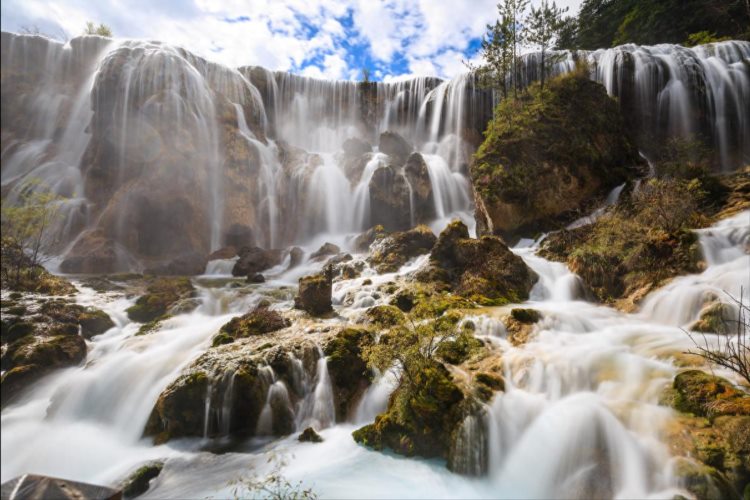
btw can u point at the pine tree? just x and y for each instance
(543, 27)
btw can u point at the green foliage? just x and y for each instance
(26, 236)
(606, 23)
(160, 295)
(101, 30)
(543, 27)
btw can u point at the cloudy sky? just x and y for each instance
(319, 38)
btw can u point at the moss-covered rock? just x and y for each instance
(160, 295)
(716, 318)
(703, 481)
(421, 416)
(257, 322)
(363, 242)
(314, 295)
(31, 357)
(347, 368)
(395, 250)
(138, 482)
(549, 152)
(94, 322)
(706, 395)
(178, 411)
(309, 436)
(385, 316)
(483, 270)
(486, 384)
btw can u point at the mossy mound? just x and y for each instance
(257, 322)
(707, 395)
(483, 270)
(94, 322)
(549, 152)
(138, 482)
(38, 280)
(346, 367)
(309, 436)
(160, 295)
(314, 294)
(716, 318)
(385, 316)
(395, 250)
(421, 417)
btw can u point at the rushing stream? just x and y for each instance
(580, 406)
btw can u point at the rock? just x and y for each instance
(527, 316)
(254, 260)
(395, 146)
(404, 300)
(390, 204)
(715, 318)
(161, 294)
(487, 384)
(356, 147)
(385, 316)
(29, 358)
(138, 482)
(309, 436)
(94, 322)
(346, 367)
(45, 487)
(314, 295)
(296, 254)
(354, 166)
(483, 270)
(545, 157)
(238, 236)
(324, 251)
(191, 264)
(392, 252)
(223, 253)
(93, 253)
(706, 395)
(420, 420)
(257, 322)
(703, 481)
(256, 278)
(363, 242)
(421, 188)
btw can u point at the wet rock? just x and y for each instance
(707, 395)
(487, 384)
(256, 278)
(314, 295)
(347, 368)
(93, 253)
(390, 203)
(257, 322)
(703, 481)
(392, 252)
(395, 146)
(404, 299)
(190, 264)
(421, 188)
(160, 295)
(520, 324)
(29, 358)
(223, 253)
(385, 316)
(356, 147)
(363, 242)
(324, 251)
(254, 260)
(138, 482)
(94, 322)
(239, 236)
(296, 254)
(715, 318)
(309, 436)
(483, 270)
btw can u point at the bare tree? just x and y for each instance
(732, 351)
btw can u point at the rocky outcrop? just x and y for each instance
(254, 260)
(161, 296)
(390, 204)
(395, 250)
(422, 203)
(364, 241)
(314, 295)
(325, 250)
(347, 368)
(93, 253)
(483, 270)
(258, 322)
(395, 146)
(548, 154)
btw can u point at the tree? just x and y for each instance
(365, 75)
(26, 230)
(514, 10)
(497, 54)
(544, 25)
(101, 30)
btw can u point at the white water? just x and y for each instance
(589, 379)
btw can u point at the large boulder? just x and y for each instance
(93, 253)
(548, 154)
(347, 368)
(364, 240)
(395, 146)
(390, 204)
(483, 270)
(392, 252)
(418, 175)
(161, 296)
(355, 147)
(254, 260)
(189, 264)
(314, 295)
(261, 320)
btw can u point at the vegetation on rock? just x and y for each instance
(160, 296)
(257, 322)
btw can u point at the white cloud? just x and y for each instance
(431, 36)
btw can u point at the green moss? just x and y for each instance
(222, 339)
(385, 316)
(705, 395)
(257, 322)
(94, 322)
(528, 316)
(18, 331)
(151, 326)
(138, 482)
(346, 366)
(460, 349)
(18, 310)
(160, 296)
(486, 384)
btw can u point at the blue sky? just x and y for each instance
(318, 38)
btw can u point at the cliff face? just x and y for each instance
(549, 153)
